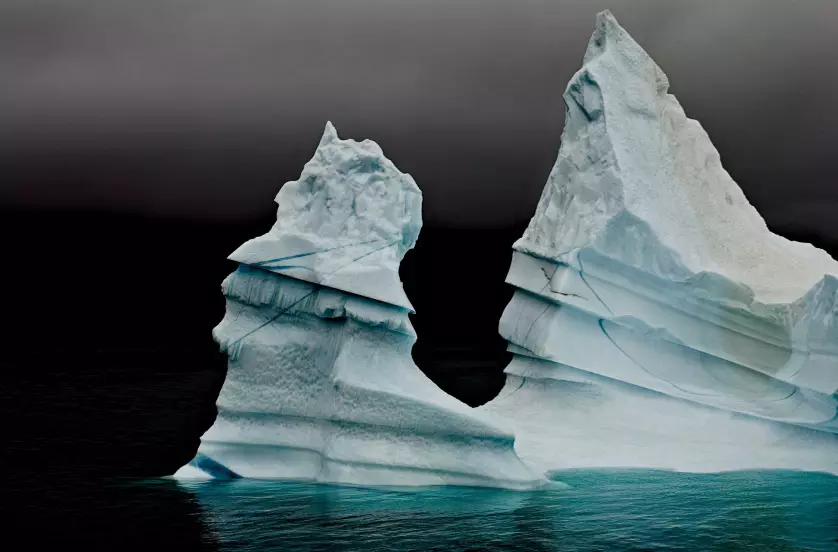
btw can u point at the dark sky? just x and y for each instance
(203, 108)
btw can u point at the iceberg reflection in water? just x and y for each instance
(600, 510)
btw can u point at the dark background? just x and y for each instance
(141, 143)
(107, 351)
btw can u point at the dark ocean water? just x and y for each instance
(599, 510)
(83, 449)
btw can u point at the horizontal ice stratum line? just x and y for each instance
(657, 322)
(321, 385)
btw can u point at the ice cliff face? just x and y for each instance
(321, 385)
(657, 322)
(639, 183)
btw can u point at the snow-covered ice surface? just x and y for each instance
(657, 322)
(321, 385)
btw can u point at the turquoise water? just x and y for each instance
(598, 510)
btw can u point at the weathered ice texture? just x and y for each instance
(657, 321)
(321, 385)
(346, 223)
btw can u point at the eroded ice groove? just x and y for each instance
(321, 385)
(567, 418)
(646, 274)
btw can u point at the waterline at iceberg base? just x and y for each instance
(599, 510)
(321, 385)
(657, 322)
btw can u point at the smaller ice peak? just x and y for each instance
(638, 180)
(350, 191)
(346, 223)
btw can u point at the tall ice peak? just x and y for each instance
(640, 182)
(346, 223)
(608, 34)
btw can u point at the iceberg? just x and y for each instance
(657, 322)
(321, 385)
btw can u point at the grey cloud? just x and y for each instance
(204, 107)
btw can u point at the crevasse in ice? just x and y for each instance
(321, 385)
(657, 322)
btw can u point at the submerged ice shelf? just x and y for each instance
(657, 322)
(321, 385)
